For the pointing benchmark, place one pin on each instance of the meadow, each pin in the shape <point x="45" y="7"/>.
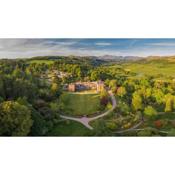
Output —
<point x="152" y="67"/>
<point x="48" y="62"/>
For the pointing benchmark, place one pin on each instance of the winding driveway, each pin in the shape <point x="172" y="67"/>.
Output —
<point x="85" y="120"/>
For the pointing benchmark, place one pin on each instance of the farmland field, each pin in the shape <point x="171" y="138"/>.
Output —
<point x="41" y="61"/>
<point x="166" y="68"/>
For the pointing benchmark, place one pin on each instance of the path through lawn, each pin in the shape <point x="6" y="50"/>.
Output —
<point x="85" y="120"/>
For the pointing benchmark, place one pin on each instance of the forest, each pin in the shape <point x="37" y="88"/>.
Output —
<point x="33" y="96"/>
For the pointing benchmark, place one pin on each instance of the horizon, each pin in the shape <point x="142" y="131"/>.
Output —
<point x="129" y="57"/>
<point x="28" y="48"/>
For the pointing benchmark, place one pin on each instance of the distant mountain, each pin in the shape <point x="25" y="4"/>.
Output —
<point x="113" y="57"/>
<point x="97" y="60"/>
<point x="159" y="57"/>
<point x="137" y="58"/>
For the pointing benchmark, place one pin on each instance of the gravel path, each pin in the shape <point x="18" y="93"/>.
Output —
<point x="130" y="129"/>
<point x="85" y="120"/>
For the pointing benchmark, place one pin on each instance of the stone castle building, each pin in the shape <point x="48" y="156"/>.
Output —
<point x="71" y="87"/>
<point x="80" y="86"/>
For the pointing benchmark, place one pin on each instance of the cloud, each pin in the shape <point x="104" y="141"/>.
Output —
<point x="13" y="48"/>
<point x="61" y="43"/>
<point x="25" y="48"/>
<point x="163" y="44"/>
<point x="103" y="44"/>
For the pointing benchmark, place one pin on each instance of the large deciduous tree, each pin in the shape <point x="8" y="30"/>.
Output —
<point x="15" y="119"/>
<point x="137" y="102"/>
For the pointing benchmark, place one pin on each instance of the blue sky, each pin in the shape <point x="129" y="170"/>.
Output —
<point x="13" y="48"/>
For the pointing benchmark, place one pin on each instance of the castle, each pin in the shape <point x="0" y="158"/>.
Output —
<point x="80" y="86"/>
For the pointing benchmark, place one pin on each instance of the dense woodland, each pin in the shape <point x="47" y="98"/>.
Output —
<point x="30" y="101"/>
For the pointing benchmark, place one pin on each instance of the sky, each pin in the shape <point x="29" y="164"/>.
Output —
<point x="25" y="48"/>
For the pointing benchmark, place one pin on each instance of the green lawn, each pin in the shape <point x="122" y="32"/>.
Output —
<point x="77" y="104"/>
<point x="70" y="128"/>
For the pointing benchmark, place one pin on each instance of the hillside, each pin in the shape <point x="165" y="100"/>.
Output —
<point x="152" y="66"/>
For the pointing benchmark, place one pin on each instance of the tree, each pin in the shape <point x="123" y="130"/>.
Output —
<point x="169" y="105"/>
<point x="54" y="88"/>
<point x="158" y="124"/>
<point x="1" y="99"/>
<point x="137" y="102"/>
<point x="148" y="92"/>
<point x="103" y="93"/>
<point x="104" y="101"/>
<point x="111" y="125"/>
<point x="150" y="111"/>
<point x="123" y="107"/>
<point x="113" y="85"/>
<point x="121" y="91"/>
<point x="2" y="93"/>
<point x="94" y="75"/>
<point x="158" y="95"/>
<point x="18" y="73"/>
<point x="173" y="102"/>
<point x="24" y="88"/>
<point x="40" y="126"/>
<point x="15" y="119"/>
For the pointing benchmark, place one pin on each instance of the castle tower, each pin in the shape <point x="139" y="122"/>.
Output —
<point x="71" y="87"/>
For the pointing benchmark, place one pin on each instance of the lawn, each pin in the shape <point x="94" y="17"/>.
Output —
<point x="78" y="104"/>
<point x="70" y="128"/>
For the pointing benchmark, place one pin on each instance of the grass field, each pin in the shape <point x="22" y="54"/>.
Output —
<point x="41" y="61"/>
<point x="152" y="68"/>
<point x="78" y="104"/>
<point x="70" y="128"/>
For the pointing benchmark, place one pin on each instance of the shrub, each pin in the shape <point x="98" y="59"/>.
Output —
<point x="111" y="125"/>
<point x="150" y="111"/>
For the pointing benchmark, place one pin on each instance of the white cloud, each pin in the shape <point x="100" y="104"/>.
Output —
<point x="61" y="43"/>
<point x="103" y="44"/>
<point x="25" y="48"/>
<point x="13" y="48"/>
<point x="164" y="44"/>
